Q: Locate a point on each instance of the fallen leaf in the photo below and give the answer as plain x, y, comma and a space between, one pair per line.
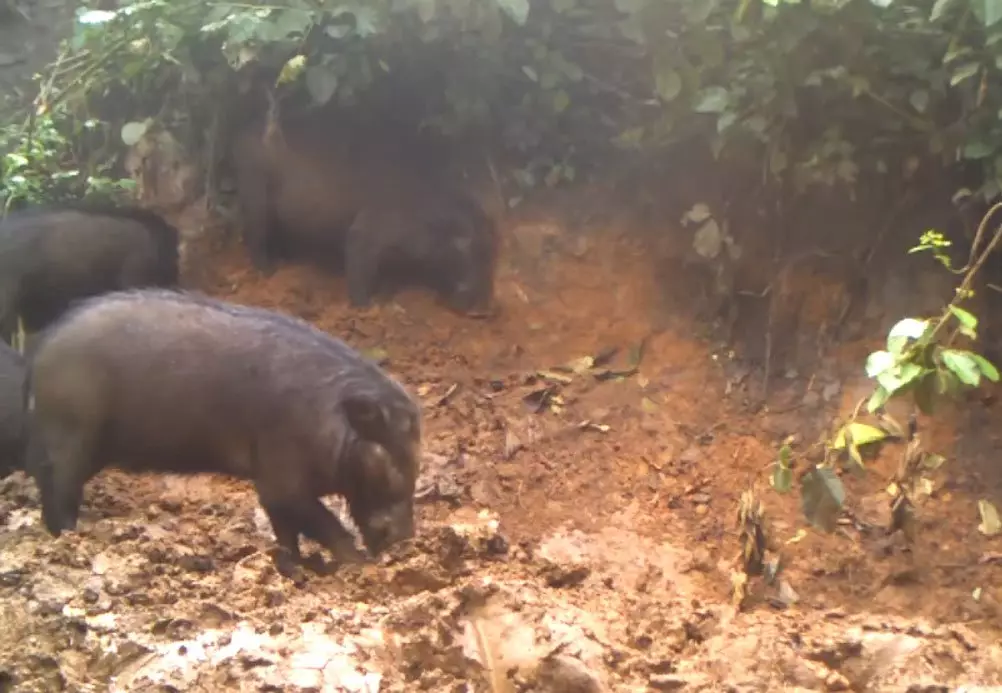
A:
787, 595
614, 375
512, 444
739, 582
892, 427
990, 523
605, 356
932, 461
636, 354
377, 354
862, 434
579, 366
537, 400
552, 375
444, 399
925, 487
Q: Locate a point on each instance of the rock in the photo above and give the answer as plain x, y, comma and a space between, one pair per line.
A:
563, 674
677, 682
691, 456
51, 596
476, 535
837, 682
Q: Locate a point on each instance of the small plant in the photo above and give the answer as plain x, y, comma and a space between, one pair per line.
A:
41, 163
922, 359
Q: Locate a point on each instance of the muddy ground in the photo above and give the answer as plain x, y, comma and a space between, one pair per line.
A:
577, 531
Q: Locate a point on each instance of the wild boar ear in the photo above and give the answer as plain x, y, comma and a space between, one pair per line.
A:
367, 418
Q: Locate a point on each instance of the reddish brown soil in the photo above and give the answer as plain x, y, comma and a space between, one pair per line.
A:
654, 495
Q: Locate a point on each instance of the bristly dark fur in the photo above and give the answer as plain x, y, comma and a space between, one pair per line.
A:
165, 235
288, 322
174, 381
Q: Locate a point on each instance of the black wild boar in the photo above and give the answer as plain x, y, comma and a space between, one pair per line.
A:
376, 204
449, 247
52, 257
12, 371
154, 380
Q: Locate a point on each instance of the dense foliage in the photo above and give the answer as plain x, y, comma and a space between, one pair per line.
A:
822, 92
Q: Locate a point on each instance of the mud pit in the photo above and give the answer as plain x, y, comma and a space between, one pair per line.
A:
582, 546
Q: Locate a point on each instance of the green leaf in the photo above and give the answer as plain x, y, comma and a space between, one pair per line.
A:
908, 373
821, 497
889, 381
518, 10
903, 332
782, 479
293, 67
945, 382
561, 100
861, 434
986, 367
878, 362
366, 21
919, 99
668, 83
978, 149
712, 100
967, 332
216, 18
757, 124
988, 12
726, 120
95, 17
964, 72
133, 132
940, 8
965, 318
878, 399
855, 456
290, 22
962, 365
321, 82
